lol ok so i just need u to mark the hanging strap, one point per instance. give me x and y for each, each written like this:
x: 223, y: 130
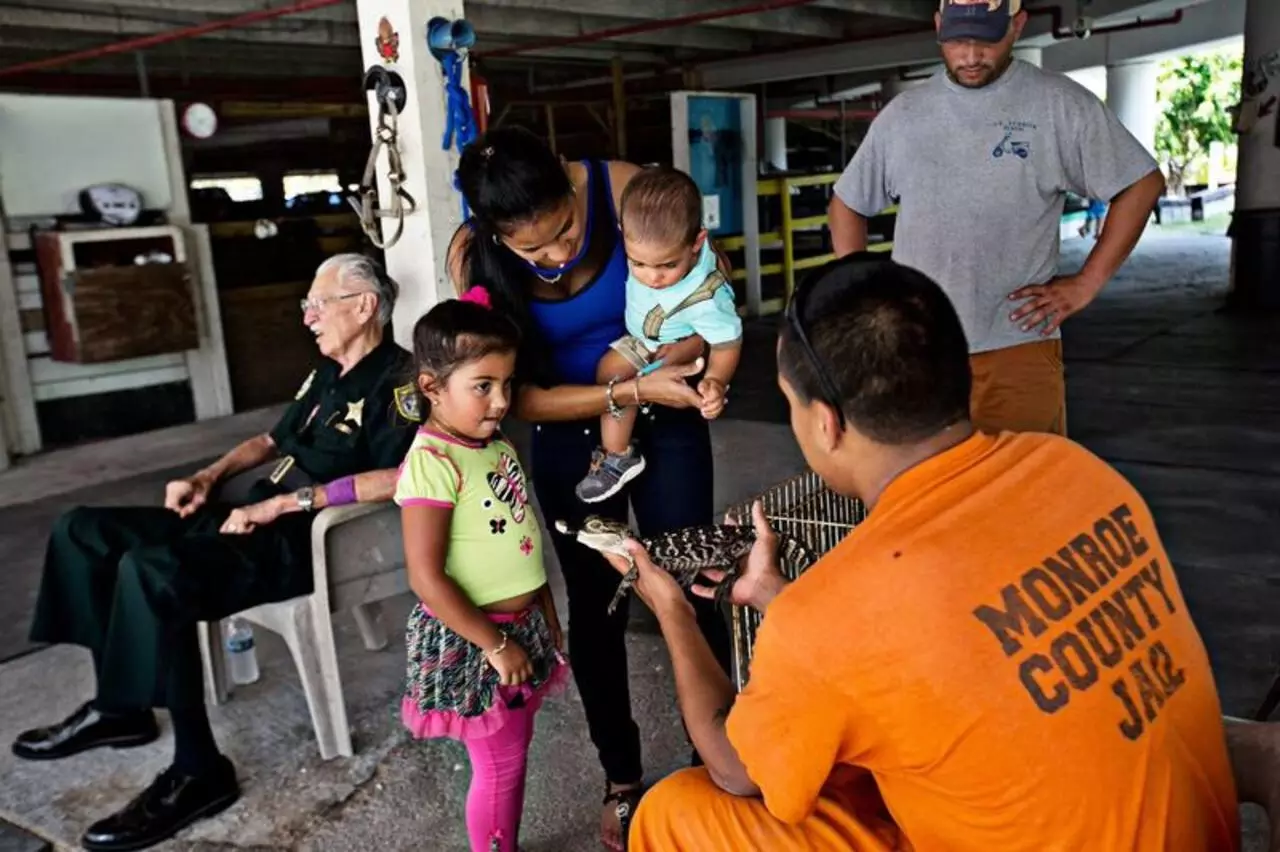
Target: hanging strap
x: 459, y: 119
x: 391, y: 100
x: 459, y: 124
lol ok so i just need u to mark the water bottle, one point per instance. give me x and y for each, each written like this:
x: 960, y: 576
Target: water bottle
x: 242, y: 661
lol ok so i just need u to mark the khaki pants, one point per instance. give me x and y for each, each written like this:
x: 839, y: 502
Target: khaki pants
x: 1020, y: 389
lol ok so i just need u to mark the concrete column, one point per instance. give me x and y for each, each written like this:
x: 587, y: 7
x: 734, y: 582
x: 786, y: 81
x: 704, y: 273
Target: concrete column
x: 1034, y: 55
x: 775, y: 143
x: 1255, y: 267
x: 1094, y: 79
x: 1217, y: 170
x: 418, y: 260
x: 1131, y: 94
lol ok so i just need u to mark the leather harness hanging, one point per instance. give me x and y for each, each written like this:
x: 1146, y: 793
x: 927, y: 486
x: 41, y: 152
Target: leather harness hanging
x: 391, y: 96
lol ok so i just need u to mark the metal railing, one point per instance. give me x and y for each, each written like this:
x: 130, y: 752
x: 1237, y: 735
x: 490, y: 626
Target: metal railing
x: 785, y: 236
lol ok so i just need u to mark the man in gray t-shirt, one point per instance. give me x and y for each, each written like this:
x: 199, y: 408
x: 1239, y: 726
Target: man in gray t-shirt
x: 979, y: 160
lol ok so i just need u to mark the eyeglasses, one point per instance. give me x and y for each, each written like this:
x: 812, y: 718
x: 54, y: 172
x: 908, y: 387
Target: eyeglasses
x: 318, y: 304
x: 859, y: 266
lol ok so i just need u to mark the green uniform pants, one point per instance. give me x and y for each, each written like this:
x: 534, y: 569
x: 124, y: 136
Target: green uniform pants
x: 130, y: 584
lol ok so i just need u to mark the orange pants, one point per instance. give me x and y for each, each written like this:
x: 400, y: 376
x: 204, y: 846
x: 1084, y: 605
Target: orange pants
x: 687, y: 812
x: 1020, y: 389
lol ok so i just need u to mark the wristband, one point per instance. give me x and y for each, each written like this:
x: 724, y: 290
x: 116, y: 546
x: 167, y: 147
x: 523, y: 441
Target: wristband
x: 340, y: 492
x: 501, y: 647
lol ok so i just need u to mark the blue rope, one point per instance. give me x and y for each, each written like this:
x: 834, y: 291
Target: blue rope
x: 459, y: 127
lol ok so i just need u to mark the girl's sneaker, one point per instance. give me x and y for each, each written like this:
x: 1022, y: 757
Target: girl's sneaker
x: 609, y: 474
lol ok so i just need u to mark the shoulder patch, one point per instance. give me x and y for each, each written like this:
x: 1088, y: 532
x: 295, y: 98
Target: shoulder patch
x: 306, y: 385
x: 407, y: 403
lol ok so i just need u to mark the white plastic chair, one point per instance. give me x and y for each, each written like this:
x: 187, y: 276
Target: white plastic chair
x: 357, y: 560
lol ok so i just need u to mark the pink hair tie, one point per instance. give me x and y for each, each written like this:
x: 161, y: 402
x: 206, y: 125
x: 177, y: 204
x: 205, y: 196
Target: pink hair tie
x: 478, y: 295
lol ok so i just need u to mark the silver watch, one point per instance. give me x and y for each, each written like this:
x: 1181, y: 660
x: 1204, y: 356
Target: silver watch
x: 306, y: 498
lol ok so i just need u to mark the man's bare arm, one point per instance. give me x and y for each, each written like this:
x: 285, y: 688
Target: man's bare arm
x: 848, y: 228
x: 253, y: 452
x: 705, y: 695
x: 1126, y: 220
x: 374, y: 486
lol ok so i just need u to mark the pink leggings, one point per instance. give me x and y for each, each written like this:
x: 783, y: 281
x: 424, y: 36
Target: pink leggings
x: 495, y: 801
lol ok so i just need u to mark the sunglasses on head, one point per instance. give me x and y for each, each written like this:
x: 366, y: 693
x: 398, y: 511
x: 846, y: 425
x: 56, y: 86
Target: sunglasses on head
x: 833, y: 278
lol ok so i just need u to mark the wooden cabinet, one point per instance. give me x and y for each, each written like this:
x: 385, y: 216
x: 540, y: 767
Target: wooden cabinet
x: 112, y: 294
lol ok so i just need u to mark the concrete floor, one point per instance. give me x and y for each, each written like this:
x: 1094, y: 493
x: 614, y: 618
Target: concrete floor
x: 1181, y: 398
x: 396, y: 793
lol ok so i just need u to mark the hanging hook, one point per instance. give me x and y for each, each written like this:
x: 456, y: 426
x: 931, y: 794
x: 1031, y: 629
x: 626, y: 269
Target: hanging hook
x: 388, y: 87
x: 392, y: 96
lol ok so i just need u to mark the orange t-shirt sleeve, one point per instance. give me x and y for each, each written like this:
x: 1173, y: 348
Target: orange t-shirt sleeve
x: 788, y: 726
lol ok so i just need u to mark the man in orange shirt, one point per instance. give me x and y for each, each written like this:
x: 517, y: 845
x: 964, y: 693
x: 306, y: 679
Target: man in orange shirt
x: 999, y: 657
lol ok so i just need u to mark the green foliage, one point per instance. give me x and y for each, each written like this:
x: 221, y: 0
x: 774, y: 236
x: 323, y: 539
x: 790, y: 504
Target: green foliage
x: 1196, y: 94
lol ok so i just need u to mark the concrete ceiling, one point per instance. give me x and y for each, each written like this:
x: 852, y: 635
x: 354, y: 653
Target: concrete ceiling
x: 1049, y: 28
x: 306, y: 54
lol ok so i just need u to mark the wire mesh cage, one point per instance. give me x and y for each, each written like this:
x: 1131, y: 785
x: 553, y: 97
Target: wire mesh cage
x: 804, y: 508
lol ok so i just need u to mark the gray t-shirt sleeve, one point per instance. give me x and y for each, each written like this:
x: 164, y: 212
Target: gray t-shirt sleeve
x: 865, y: 187
x: 1102, y: 159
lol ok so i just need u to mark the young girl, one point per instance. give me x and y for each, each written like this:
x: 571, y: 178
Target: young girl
x: 483, y: 643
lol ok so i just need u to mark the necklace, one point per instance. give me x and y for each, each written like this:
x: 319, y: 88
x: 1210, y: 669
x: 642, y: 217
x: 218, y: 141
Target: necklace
x: 569, y: 265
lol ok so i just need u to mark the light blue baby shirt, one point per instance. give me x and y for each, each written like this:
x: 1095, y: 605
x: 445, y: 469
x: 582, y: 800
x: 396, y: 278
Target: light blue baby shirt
x: 715, y: 320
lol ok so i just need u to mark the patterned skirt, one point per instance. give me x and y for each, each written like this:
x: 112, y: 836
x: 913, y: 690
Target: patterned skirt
x: 452, y: 691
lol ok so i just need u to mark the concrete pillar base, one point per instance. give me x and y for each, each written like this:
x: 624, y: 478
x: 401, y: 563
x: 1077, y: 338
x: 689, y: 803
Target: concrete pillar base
x: 1255, y: 274
x: 1255, y: 261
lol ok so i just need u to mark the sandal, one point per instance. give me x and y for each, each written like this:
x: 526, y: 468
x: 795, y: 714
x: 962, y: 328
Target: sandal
x: 625, y: 803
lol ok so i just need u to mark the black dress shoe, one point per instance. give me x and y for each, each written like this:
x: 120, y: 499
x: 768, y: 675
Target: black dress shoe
x: 85, y: 729
x: 172, y: 802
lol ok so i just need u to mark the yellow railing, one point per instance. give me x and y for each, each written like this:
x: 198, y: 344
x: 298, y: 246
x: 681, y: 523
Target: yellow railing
x: 785, y: 236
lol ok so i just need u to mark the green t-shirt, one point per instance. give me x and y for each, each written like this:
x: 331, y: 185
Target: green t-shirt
x: 495, y: 542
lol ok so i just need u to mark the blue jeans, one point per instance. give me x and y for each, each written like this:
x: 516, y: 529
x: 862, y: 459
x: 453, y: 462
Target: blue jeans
x: 674, y: 491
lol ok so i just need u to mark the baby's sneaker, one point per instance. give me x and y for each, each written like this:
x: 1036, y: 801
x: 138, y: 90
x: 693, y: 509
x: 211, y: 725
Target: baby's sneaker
x: 609, y: 474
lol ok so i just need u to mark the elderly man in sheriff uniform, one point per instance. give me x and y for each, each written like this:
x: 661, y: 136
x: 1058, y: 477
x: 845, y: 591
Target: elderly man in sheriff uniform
x: 130, y: 584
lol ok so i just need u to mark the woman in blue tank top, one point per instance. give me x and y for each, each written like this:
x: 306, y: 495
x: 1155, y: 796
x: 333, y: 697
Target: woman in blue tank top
x: 544, y: 240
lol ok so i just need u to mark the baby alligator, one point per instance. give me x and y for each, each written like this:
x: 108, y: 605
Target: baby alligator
x: 686, y: 553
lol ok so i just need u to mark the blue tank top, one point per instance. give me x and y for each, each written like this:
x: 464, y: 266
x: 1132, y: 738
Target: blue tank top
x: 579, y: 329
